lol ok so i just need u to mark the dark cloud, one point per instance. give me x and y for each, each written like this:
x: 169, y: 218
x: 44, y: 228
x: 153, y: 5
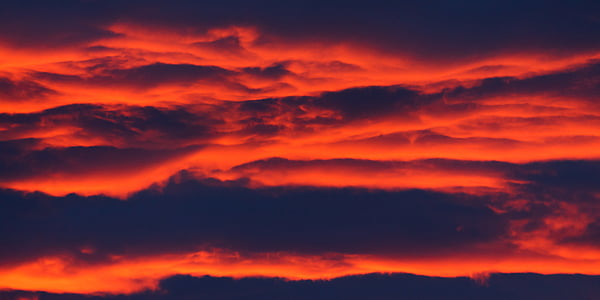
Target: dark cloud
x: 109, y: 72
x: 372, y: 101
x: 340, y: 107
x: 590, y: 237
x: 275, y: 71
x: 581, y: 82
x: 371, y: 286
x: 38, y: 24
x: 137, y: 137
x: 136, y: 126
x: 573, y: 175
x: 11, y: 90
x: 543, y: 189
x: 430, y: 138
x: 563, y: 190
x: 160, y: 73
x: 337, y: 108
x: 27, y: 159
x: 128, y: 126
x: 363, y: 165
x: 147, y: 76
x: 404, y: 103
x: 188, y: 214
x: 230, y: 45
x: 432, y: 29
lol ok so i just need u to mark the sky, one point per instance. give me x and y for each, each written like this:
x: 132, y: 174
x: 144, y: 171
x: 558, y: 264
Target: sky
x: 299, y: 149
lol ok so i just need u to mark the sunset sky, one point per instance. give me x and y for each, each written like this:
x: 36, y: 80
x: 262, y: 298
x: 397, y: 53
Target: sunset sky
x: 299, y: 149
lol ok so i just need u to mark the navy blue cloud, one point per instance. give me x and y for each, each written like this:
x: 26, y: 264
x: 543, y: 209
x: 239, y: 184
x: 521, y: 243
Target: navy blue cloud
x: 433, y: 29
x: 20, y: 90
x: 157, y: 74
x: 160, y: 73
x: 26, y: 159
x: 525, y: 286
x: 35, y: 24
x: 574, y: 175
x: 275, y: 71
x: 137, y: 126
x: 230, y: 45
x: 145, y: 76
x: 581, y: 82
x: 189, y: 214
x: 546, y: 185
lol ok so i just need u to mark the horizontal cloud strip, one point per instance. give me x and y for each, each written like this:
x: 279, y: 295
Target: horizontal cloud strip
x: 370, y: 286
x: 191, y: 215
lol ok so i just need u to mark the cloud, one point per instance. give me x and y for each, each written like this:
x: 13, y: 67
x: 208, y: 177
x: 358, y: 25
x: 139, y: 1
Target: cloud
x: 34, y: 162
x: 580, y: 82
x: 372, y: 101
x: 128, y: 126
x: 146, y: 76
x: 159, y: 73
x: 275, y: 71
x: 188, y: 124
x: 22, y: 90
x: 108, y: 73
x: 394, y: 286
x: 33, y: 24
x: 573, y: 175
x: 229, y: 44
x: 188, y: 214
x: 329, y: 138
x: 379, y: 286
x: 427, y: 29
x: 433, y: 174
x: 551, y: 201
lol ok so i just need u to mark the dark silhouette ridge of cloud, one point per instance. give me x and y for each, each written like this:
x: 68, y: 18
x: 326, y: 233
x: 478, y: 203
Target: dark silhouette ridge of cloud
x: 429, y: 29
x: 188, y: 214
x: 369, y: 286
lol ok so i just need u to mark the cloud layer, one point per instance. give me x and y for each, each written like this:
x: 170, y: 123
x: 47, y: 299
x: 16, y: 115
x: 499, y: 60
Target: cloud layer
x: 405, y: 286
x: 142, y: 140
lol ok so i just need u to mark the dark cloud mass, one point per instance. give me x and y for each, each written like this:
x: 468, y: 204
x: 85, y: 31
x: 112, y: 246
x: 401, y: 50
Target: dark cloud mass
x: 11, y: 90
x: 582, y: 82
x: 132, y: 126
x: 189, y: 214
x: 394, y: 286
x: 431, y: 29
x: 19, y: 162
